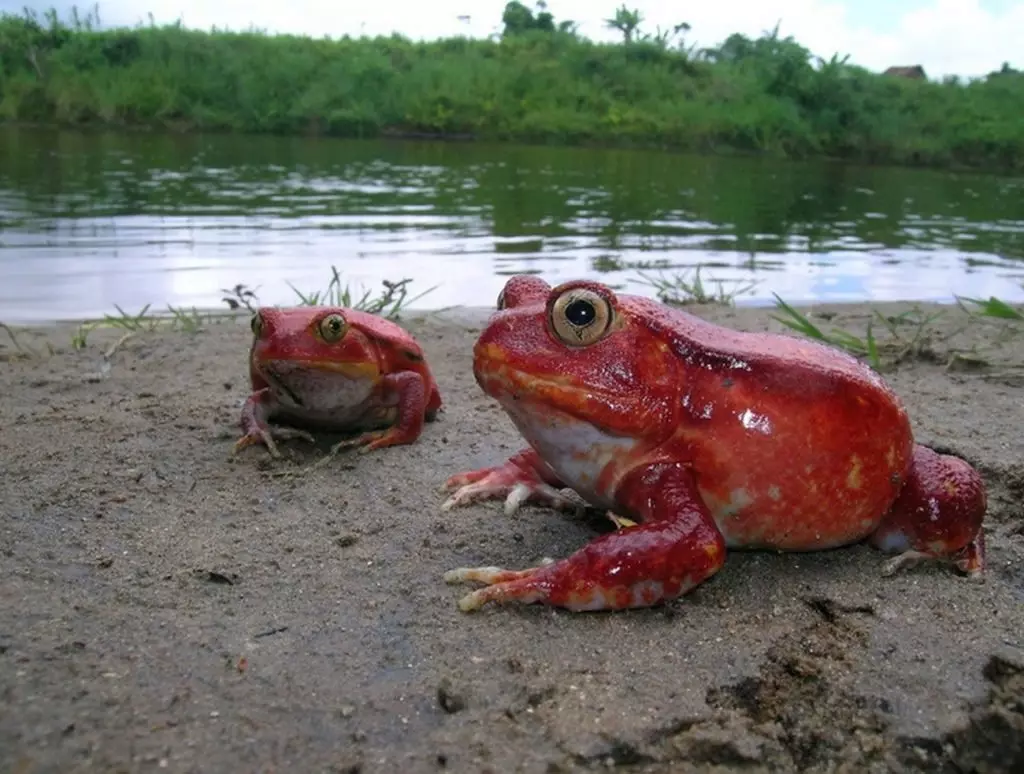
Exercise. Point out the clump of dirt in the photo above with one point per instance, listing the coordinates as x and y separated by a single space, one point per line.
992 739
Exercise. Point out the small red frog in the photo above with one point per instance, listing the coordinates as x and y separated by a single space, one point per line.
336 369
696 438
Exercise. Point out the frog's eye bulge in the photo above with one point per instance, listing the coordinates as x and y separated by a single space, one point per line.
332 328
580 317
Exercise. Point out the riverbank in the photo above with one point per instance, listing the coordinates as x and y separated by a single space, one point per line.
165 606
763 96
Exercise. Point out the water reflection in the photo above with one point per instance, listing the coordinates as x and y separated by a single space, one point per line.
93 220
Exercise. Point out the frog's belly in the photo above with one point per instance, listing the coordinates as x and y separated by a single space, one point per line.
576 450
331 400
833 501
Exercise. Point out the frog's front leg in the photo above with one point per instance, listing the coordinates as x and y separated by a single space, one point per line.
675 547
410 393
255 412
524 477
937 516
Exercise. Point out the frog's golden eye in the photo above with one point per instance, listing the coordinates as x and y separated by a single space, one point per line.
580 317
256 324
332 328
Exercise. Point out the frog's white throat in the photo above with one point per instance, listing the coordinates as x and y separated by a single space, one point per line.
577 450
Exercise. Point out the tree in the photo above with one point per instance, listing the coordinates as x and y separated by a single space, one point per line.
518 19
625 21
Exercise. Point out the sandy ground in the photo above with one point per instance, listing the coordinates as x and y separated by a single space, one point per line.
167 608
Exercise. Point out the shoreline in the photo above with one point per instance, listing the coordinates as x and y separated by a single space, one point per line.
474 314
993 169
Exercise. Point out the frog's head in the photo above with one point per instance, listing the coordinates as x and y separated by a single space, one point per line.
580 349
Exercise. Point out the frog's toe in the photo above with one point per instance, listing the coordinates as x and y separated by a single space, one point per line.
469 493
291 433
499 584
460 480
255 438
541 493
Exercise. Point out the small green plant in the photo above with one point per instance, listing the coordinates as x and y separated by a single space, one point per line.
240 295
388 303
855 345
911 334
22 351
129 322
679 290
177 318
992 307
188 320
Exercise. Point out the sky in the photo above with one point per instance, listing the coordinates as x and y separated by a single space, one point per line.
947 37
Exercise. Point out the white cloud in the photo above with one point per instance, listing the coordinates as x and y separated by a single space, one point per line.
945 36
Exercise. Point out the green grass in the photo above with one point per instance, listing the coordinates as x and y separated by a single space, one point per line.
388 303
536 83
910 334
679 290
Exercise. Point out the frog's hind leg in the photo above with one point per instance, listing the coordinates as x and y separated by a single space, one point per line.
937 516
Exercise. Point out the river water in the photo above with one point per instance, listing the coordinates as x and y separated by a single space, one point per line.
90 220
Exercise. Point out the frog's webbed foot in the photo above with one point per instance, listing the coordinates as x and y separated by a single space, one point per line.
937 516
256 430
519 480
969 560
266 435
497 483
494 579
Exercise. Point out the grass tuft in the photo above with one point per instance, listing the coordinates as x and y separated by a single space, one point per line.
910 335
992 307
388 303
679 290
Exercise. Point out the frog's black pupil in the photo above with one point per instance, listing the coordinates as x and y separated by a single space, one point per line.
580 313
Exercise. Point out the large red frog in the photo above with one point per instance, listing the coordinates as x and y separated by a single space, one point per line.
339 369
698 438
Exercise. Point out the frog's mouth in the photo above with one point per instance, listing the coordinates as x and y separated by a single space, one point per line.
279 386
513 387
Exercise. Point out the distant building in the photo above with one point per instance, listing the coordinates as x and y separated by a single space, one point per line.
916 72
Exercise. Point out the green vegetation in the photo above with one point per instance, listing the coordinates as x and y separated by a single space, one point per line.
388 303
912 334
537 82
679 290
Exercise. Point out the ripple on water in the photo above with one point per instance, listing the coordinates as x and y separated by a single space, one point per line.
136 220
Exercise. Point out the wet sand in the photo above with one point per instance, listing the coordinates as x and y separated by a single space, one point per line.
166 607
